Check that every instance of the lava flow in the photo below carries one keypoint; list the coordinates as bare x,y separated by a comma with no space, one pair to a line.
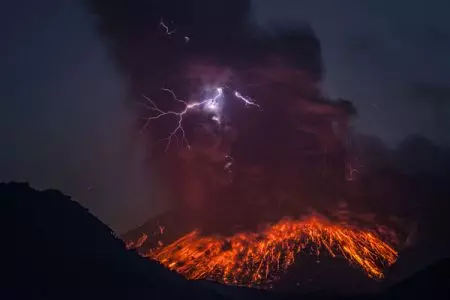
260,258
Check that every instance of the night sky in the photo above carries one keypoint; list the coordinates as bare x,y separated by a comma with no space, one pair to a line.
65,124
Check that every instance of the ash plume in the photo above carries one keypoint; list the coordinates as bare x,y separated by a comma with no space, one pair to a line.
276,147
251,156
296,152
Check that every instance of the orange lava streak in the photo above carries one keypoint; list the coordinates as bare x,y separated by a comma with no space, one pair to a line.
258,258
136,244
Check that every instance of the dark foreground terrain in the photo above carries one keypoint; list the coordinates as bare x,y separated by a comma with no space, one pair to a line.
64,252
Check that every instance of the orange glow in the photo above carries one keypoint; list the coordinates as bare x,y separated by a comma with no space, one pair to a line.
138,243
257,258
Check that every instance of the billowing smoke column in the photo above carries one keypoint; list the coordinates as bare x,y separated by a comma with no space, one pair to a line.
243,138
237,124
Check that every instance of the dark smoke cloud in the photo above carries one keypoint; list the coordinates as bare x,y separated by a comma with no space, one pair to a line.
220,35
296,151
216,30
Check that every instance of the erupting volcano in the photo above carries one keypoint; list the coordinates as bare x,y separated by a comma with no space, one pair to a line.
240,135
259,258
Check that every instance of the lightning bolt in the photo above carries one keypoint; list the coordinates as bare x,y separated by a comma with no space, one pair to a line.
212,104
166,28
246,100
351,170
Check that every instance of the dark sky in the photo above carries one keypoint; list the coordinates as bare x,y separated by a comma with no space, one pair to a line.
65,126
377,54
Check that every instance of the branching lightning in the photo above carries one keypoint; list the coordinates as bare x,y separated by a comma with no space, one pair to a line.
212,105
166,28
179,115
350,172
170,31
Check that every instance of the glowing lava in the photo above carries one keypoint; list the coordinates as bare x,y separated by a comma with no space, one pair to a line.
259,258
138,243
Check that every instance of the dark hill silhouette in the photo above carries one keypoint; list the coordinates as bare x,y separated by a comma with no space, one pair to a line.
64,252
429,283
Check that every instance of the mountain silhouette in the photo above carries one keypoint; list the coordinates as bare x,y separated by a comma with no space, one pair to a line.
64,252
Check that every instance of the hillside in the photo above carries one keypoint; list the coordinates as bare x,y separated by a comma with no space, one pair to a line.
64,252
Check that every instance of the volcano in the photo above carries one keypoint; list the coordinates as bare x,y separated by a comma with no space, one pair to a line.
253,155
291,254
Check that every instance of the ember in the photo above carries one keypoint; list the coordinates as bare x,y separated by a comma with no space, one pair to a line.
259,258
138,243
